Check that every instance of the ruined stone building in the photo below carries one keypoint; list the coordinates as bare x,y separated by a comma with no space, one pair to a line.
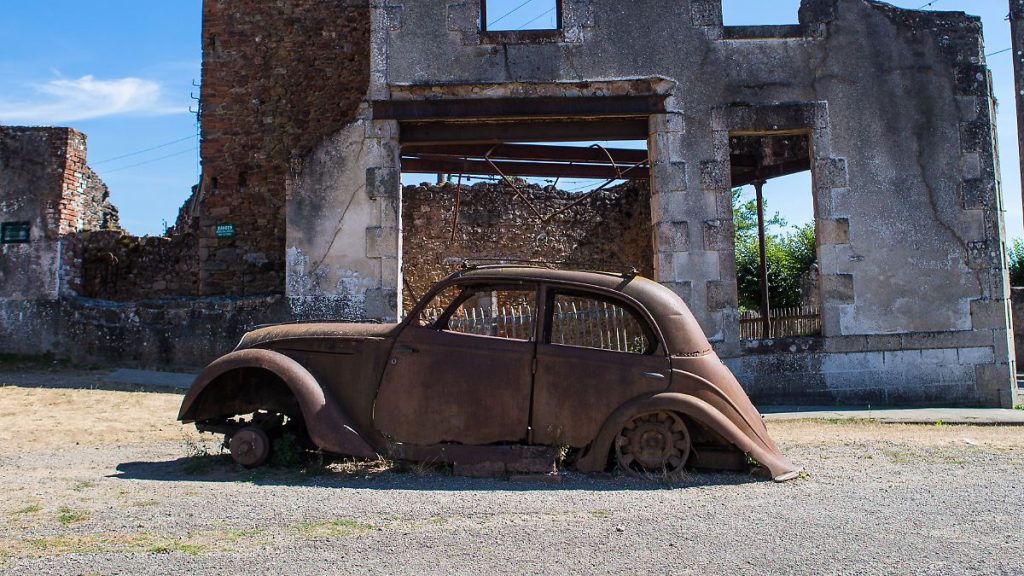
312,110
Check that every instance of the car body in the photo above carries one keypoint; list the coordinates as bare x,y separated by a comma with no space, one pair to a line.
497,364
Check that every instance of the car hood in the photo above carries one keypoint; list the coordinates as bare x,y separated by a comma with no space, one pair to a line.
300,331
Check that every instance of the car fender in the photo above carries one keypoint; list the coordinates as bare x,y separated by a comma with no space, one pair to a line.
596,458
328,426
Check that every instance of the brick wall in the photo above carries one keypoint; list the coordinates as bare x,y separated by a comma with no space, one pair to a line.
278,78
609,231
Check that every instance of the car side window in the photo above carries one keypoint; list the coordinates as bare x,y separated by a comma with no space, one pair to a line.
589,322
495,311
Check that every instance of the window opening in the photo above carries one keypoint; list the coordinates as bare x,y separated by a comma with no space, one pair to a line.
776,250
14,232
586,322
760,13
493,311
553,200
511,15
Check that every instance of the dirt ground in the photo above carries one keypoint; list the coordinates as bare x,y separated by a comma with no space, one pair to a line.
107,482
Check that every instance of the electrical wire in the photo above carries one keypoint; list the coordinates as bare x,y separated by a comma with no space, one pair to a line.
537,18
929,4
180,153
143,151
510,12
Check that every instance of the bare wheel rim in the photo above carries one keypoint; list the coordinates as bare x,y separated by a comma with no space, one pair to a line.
654,443
250,446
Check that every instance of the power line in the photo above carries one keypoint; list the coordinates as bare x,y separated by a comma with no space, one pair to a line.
998,52
509,13
929,4
537,18
136,153
189,151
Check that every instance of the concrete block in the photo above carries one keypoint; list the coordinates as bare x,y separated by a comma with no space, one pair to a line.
669,177
971,166
831,173
382,242
721,295
669,206
857,361
834,231
666,148
672,237
715,175
837,288
843,344
719,235
666,123
940,357
990,314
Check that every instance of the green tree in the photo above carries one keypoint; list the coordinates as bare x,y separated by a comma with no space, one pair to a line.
790,254
1016,256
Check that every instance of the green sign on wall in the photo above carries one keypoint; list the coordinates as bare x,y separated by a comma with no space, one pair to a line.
225,230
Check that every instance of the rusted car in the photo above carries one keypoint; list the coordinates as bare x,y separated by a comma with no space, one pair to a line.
513,365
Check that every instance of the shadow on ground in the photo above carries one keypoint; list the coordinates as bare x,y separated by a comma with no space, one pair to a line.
382,476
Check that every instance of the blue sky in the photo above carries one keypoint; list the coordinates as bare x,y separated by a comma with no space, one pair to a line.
122,71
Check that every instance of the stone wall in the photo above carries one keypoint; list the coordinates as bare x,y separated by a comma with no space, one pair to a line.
610,230
45,182
115,266
278,78
176,333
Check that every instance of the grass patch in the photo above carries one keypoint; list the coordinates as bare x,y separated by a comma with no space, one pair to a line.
84,485
197,454
601,513
68,516
30,509
171,546
1018,407
340,528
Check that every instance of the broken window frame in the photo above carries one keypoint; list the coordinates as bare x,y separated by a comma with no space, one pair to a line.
15,232
559,21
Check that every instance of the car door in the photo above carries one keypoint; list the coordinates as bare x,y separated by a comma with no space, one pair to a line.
596,353
466,376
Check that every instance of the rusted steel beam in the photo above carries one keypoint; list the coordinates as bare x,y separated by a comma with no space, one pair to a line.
742,176
766,319
524,131
504,108
588,155
526,169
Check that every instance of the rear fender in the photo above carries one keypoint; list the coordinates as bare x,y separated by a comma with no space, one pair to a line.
596,458
328,426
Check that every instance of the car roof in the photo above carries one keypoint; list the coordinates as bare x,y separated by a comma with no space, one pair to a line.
680,329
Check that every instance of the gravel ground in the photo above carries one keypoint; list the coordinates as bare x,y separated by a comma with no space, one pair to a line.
136,498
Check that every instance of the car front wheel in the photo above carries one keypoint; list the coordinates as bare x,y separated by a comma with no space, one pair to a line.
250,446
655,444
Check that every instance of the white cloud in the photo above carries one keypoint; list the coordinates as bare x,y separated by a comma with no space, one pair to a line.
63,100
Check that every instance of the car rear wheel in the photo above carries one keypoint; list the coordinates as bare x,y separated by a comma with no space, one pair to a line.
653,445
250,446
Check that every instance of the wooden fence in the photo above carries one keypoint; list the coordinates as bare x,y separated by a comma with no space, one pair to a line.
785,322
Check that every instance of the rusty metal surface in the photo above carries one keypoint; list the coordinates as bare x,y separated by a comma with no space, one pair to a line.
424,392
325,420
448,387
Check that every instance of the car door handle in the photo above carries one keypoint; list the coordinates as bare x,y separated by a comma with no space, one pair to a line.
654,375
406,349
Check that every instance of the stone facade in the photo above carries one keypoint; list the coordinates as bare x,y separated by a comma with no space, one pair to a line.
301,158
278,79
896,105
611,230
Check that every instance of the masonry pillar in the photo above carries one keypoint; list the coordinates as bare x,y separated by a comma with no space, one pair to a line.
344,235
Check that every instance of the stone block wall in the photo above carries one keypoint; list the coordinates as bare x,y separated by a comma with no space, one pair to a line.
610,230
278,78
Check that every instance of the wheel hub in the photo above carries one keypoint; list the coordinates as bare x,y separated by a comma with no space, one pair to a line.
653,443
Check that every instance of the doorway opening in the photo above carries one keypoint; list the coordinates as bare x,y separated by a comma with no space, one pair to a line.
776,244
547,198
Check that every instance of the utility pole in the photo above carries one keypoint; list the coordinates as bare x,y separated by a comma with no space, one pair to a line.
762,238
